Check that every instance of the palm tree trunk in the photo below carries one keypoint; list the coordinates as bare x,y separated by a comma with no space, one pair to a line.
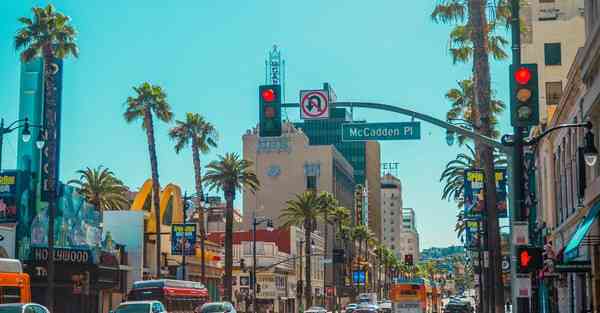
229,198
155,186
198,181
482,90
51,145
307,274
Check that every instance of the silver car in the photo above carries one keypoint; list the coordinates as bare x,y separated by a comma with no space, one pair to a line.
140,307
316,309
23,308
217,307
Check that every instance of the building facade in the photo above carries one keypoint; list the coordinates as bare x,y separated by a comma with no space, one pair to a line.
391,198
409,236
554,30
364,157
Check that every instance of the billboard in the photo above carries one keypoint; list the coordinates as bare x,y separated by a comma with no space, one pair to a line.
12,184
474,192
183,239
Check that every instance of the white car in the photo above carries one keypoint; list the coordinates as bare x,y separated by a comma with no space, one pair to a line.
315,309
217,307
23,308
140,307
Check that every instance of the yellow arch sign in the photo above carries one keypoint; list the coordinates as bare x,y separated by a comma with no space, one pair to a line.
169,191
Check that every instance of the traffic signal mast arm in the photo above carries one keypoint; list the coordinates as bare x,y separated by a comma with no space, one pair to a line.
420,116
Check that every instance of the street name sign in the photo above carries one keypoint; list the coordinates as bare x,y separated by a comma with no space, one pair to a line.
381,131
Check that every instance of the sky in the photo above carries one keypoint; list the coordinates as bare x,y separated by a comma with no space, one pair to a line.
210,55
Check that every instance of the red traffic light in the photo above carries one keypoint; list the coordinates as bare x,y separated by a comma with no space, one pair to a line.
268,95
523,75
525,258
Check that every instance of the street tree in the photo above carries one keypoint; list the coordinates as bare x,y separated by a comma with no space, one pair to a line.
200,135
230,174
101,188
305,210
49,35
148,103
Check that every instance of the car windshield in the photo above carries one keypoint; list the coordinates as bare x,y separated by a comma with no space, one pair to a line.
133,308
11,309
213,308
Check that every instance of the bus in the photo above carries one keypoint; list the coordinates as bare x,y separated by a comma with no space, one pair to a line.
178,296
409,296
15,286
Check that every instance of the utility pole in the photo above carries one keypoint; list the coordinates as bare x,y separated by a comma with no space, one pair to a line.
184,250
520,305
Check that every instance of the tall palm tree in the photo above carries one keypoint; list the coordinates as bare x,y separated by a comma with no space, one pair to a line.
48,34
202,136
479,34
230,174
150,101
305,211
100,187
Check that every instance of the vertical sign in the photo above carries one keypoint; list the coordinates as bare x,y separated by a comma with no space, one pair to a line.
474,192
183,239
55,135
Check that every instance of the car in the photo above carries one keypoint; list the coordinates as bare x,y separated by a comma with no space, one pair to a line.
315,309
350,307
140,307
23,308
366,309
217,307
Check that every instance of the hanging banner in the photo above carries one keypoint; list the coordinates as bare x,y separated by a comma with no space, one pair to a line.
474,192
472,234
12,184
183,239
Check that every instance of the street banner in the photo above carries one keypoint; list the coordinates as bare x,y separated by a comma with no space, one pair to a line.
8,196
472,234
183,239
474,192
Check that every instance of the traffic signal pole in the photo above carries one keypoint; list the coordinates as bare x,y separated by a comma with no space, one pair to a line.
519,305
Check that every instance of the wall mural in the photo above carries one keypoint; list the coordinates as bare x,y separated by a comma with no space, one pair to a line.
77,223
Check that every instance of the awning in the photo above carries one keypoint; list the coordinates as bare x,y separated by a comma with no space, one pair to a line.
572,249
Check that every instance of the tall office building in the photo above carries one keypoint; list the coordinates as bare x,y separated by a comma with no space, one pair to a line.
363,156
409,236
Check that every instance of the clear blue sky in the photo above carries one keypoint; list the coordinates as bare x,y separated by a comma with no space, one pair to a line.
209,56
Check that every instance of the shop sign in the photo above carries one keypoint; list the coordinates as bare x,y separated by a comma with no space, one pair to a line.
574,267
61,255
9,195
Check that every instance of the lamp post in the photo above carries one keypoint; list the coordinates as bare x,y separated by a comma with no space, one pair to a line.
257,220
25,134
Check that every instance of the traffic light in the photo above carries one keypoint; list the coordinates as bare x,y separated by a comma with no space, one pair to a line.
270,110
257,288
408,259
338,256
529,259
524,95
243,265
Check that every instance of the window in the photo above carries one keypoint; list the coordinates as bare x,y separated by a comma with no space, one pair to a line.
553,92
552,53
311,182
546,1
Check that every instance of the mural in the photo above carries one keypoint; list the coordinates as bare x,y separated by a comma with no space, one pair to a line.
77,224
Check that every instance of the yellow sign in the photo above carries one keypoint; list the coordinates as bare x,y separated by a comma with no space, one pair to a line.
8,180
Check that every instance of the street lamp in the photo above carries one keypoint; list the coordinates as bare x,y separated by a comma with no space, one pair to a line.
257,220
450,135
25,134
590,153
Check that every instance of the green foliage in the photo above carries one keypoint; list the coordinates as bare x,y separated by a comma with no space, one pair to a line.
49,34
149,100
230,174
196,130
100,187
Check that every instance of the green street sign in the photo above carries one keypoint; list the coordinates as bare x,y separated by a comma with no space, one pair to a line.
381,131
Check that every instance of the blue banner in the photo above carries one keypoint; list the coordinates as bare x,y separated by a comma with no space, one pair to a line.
183,239
474,192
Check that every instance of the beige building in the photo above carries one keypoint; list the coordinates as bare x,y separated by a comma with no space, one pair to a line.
554,32
391,221
372,176
287,166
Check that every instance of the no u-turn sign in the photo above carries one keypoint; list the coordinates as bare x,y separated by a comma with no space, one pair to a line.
314,104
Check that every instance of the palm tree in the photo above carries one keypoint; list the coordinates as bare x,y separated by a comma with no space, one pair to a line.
304,211
479,32
462,106
150,101
203,136
230,174
460,43
48,34
100,187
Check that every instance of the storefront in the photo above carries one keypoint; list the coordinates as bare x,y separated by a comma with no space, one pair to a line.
80,276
